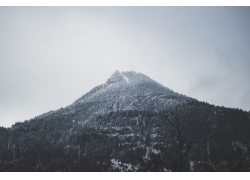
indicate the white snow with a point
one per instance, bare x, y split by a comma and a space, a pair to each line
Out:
110, 85
124, 166
126, 79
166, 170
116, 128
146, 157
115, 162
153, 135
191, 165
129, 135
155, 151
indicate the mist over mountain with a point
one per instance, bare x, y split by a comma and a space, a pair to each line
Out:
130, 123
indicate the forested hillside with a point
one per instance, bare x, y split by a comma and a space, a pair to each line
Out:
130, 123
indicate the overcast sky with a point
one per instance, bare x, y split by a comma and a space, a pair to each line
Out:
51, 56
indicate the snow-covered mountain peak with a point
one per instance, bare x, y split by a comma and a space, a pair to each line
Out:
116, 77
124, 77
121, 87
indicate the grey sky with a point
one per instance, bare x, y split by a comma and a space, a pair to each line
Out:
50, 56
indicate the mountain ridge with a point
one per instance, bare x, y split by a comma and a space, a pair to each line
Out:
123, 88
129, 123
128, 78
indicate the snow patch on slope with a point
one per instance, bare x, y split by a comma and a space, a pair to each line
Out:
126, 79
124, 167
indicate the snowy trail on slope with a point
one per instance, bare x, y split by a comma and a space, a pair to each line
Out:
126, 79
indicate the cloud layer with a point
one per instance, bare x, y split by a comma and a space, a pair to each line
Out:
50, 56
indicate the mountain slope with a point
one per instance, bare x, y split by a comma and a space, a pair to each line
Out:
129, 123
128, 91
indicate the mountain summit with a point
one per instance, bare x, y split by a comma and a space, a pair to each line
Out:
130, 123
130, 90
116, 77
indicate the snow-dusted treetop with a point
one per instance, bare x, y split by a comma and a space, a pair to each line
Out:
129, 90
116, 77
124, 91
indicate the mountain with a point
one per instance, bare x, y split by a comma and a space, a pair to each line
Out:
130, 123
128, 91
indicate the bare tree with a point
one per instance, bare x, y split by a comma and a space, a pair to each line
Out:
184, 144
244, 161
165, 160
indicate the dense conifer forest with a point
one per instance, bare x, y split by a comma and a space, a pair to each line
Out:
130, 123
